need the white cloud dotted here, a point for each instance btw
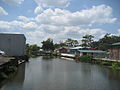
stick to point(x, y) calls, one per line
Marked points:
point(118, 30)
point(13, 25)
point(51, 29)
point(38, 10)
point(3, 12)
point(97, 14)
point(36, 33)
point(4, 26)
point(61, 24)
point(13, 2)
point(53, 3)
point(23, 18)
point(62, 33)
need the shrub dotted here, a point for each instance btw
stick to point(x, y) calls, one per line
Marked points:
point(3, 75)
point(86, 58)
point(105, 63)
point(11, 69)
point(115, 66)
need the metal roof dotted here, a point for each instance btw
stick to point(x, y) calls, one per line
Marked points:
point(76, 47)
point(12, 34)
point(116, 43)
point(92, 51)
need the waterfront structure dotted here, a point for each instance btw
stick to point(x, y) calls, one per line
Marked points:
point(13, 44)
point(95, 53)
point(64, 49)
point(74, 50)
point(114, 51)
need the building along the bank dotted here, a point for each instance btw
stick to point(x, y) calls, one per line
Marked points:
point(95, 53)
point(64, 49)
point(114, 51)
point(13, 44)
point(84, 51)
point(74, 50)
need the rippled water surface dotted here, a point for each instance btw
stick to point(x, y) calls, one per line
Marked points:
point(58, 74)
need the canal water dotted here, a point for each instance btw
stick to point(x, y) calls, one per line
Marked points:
point(44, 73)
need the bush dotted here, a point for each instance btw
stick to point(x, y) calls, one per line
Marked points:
point(105, 63)
point(11, 69)
point(3, 75)
point(86, 58)
point(115, 66)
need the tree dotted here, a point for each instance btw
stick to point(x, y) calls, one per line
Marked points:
point(61, 43)
point(48, 45)
point(32, 49)
point(107, 40)
point(71, 42)
point(56, 45)
point(87, 41)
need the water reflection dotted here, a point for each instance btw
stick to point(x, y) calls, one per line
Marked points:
point(46, 73)
point(47, 57)
point(16, 82)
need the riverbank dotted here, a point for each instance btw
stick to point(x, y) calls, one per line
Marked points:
point(113, 64)
point(9, 66)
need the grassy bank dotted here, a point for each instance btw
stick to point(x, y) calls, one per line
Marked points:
point(109, 64)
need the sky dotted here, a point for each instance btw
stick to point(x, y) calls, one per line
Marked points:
point(59, 19)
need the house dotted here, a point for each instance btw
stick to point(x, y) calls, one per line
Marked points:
point(64, 49)
point(74, 50)
point(95, 53)
point(114, 51)
point(13, 44)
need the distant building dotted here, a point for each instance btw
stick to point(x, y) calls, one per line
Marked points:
point(13, 44)
point(64, 50)
point(74, 50)
point(114, 51)
point(95, 53)
point(84, 51)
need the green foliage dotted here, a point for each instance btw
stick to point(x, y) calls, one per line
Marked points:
point(105, 42)
point(61, 43)
point(48, 45)
point(105, 63)
point(86, 58)
point(32, 50)
point(87, 40)
point(11, 69)
point(3, 75)
point(56, 45)
point(115, 66)
point(71, 42)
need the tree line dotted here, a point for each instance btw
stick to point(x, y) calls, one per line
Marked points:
point(103, 43)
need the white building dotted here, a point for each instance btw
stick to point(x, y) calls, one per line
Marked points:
point(13, 44)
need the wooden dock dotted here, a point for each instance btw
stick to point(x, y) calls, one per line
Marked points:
point(107, 59)
point(4, 60)
point(67, 55)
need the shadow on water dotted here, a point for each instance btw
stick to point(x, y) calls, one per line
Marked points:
point(18, 79)
point(47, 57)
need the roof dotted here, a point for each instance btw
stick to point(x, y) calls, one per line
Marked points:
point(64, 47)
point(92, 51)
point(11, 34)
point(76, 47)
point(115, 44)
